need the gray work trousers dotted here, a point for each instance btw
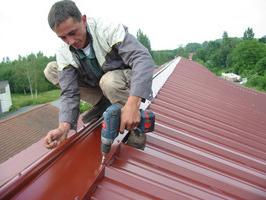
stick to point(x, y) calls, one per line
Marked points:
point(114, 85)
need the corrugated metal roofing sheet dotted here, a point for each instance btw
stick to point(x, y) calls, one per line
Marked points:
point(21, 139)
point(19, 132)
point(209, 143)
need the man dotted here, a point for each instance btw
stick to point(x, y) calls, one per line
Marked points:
point(105, 60)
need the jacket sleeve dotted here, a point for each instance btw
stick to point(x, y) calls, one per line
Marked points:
point(135, 55)
point(70, 96)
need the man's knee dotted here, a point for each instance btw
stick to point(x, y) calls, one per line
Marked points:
point(116, 80)
point(115, 85)
point(107, 82)
point(51, 72)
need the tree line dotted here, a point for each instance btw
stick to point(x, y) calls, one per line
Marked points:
point(244, 56)
point(25, 75)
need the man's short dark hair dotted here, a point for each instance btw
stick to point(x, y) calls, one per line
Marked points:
point(61, 11)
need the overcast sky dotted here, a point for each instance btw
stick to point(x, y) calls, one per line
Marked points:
point(167, 23)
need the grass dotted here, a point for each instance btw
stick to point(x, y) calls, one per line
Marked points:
point(84, 106)
point(21, 100)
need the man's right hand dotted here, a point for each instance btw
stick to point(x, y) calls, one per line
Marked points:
point(56, 136)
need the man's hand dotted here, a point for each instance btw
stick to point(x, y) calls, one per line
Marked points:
point(56, 136)
point(130, 114)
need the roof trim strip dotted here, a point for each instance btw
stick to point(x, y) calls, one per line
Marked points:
point(160, 77)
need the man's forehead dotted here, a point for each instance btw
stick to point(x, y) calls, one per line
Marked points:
point(65, 27)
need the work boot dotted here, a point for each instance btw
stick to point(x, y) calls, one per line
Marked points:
point(96, 111)
point(137, 139)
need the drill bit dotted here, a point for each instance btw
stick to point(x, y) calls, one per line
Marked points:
point(103, 158)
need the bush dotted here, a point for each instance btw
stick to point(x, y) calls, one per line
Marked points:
point(258, 82)
point(261, 66)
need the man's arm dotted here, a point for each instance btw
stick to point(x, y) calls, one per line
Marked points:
point(69, 108)
point(134, 54)
point(70, 96)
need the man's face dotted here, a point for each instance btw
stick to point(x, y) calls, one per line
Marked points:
point(72, 32)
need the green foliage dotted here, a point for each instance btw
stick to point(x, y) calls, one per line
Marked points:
point(263, 39)
point(208, 51)
point(225, 35)
point(260, 66)
point(84, 106)
point(144, 40)
point(246, 57)
point(258, 82)
point(181, 52)
point(217, 52)
point(248, 34)
point(192, 47)
point(25, 75)
point(163, 56)
point(246, 54)
point(21, 100)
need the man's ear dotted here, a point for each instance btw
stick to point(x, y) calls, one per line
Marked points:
point(84, 19)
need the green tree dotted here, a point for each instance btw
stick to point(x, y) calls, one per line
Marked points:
point(25, 75)
point(192, 47)
point(258, 82)
point(263, 39)
point(163, 56)
point(144, 40)
point(261, 66)
point(246, 54)
point(208, 54)
point(222, 54)
point(225, 36)
point(181, 52)
point(248, 34)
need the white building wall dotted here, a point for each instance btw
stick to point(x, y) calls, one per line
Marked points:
point(5, 99)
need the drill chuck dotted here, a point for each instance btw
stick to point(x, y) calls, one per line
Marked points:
point(105, 148)
point(106, 144)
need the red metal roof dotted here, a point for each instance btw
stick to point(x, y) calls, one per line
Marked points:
point(21, 139)
point(19, 132)
point(209, 143)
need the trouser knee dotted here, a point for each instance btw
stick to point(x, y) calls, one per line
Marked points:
point(89, 94)
point(115, 85)
point(51, 73)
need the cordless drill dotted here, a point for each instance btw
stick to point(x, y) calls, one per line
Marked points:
point(111, 125)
